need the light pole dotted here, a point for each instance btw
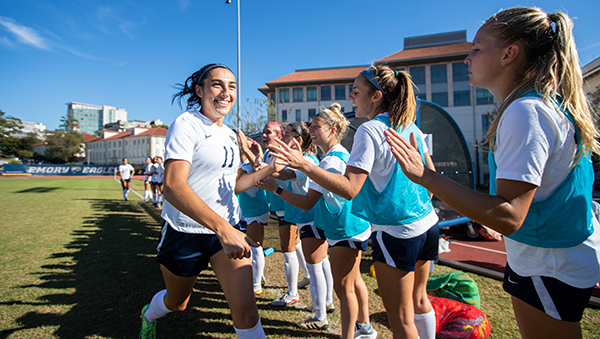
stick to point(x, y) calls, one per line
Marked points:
point(239, 62)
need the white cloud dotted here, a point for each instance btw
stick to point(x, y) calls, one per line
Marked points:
point(24, 34)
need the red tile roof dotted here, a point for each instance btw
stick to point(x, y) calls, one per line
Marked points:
point(323, 74)
point(153, 131)
point(461, 48)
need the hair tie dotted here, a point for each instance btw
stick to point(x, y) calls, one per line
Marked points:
point(368, 73)
point(296, 126)
point(203, 73)
point(325, 117)
point(396, 73)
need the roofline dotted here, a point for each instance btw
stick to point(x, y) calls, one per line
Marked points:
point(328, 68)
point(445, 56)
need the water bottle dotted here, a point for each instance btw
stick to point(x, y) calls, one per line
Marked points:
point(269, 251)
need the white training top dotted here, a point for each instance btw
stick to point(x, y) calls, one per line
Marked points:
point(333, 165)
point(126, 171)
point(372, 153)
point(214, 158)
point(535, 143)
point(148, 170)
point(157, 175)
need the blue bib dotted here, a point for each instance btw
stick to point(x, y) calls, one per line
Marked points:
point(401, 201)
point(276, 203)
point(564, 219)
point(341, 224)
point(295, 214)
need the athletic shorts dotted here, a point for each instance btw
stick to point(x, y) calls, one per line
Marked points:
point(310, 231)
point(357, 245)
point(186, 254)
point(158, 183)
point(126, 180)
point(261, 219)
point(404, 253)
point(549, 295)
point(241, 226)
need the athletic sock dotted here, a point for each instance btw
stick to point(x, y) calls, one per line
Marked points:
point(258, 266)
point(329, 279)
point(426, 324)
point(157, 307)
point(290, 268)
point(154, 197)
point(147, 195)
point(160, 199)
point(124, 193)
point(301, 260)
point(255, 332)
point(318, 290)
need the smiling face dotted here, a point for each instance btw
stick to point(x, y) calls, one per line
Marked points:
point(320, 132)
point(269, 135)
point(289, 135)
point(217, 94)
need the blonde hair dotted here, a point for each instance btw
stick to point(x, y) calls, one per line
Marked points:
point(550, 66)
point(336, 120)
point(399, 98)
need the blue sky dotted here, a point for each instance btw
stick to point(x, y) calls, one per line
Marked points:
point(130, 54)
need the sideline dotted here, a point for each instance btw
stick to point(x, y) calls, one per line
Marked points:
point(477, 247)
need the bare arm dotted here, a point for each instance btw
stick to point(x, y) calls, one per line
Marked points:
point(346, 186)
point(503, 212)
point(247, 180)
point(179, 194)
point(431, 166)
point(305, 202)
point(242, 141)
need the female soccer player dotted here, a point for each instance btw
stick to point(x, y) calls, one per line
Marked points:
point(541, 175)
point(202, 177)
point(404, 224)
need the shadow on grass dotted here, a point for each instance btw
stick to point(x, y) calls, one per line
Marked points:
point(107, 273)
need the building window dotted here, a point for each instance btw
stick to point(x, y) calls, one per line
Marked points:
point(325, 93)
point(439, 85)
point(284, 95)
point(418, 77)
point(298, 115)
point(312, 113)
point(340, 92)
point(284, 115)
point(460, 84)
point(485, 124)
point(272, 98)
point(311, 93)
point(298, 97)
point(484, 97)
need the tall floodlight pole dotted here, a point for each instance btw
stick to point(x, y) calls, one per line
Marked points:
point(239, 62)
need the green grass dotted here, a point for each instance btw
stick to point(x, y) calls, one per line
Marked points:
point(78, 262)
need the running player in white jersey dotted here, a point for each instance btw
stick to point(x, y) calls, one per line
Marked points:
point(201, 211)
point(125, 173)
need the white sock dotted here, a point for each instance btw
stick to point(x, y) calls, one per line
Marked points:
point(426, 324)
point(147, 195)
point(157, 307)
point(258, 266)
point(154, 197)
point(255, 332)
point(290, 267)
point(124, 193)
point(160, 199)
point(301, 260)
point(318, 290)
point(329, 279)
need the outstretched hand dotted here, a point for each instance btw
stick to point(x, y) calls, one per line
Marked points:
point(267, 184)
point(407, 154)
point(288, 156)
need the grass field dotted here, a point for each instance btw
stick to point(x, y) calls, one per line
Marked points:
point(78, 262)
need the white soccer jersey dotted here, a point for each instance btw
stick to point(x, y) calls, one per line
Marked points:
point(214, 158)
point(126, 171)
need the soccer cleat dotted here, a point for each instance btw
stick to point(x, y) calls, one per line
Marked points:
point(362, 332)
point(330, 308)
point(143, 202)
point(148, 330)
point(263, 281)
point(285, 299)
point(312, 323)
point(303, 283)
point(126, 199)
point(259, 292)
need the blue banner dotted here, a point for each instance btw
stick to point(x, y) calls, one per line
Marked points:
point(62, 169)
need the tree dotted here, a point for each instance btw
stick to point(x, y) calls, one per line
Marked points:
point(20, 147)
point(253, 116)
point(9, 124)
point(65, 143)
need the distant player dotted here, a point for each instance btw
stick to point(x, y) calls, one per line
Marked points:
point(147, 181)
point(125, 173)
point(157, 181)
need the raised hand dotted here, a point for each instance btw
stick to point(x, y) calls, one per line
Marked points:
point(267, 184)
point(407, 155)
point(288, 156)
